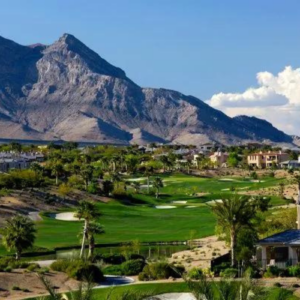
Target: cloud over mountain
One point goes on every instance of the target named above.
(277, 99)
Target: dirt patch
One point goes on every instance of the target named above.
(30, 281)
(208, 248)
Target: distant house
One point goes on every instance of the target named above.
(281, 249)
(219, 158)
(7, 164)
(266, 159)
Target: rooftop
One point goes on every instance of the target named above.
(289, 237)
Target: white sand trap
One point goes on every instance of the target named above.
(164, 207)
(179, 202)
(214, 201)
(173, 296)
(137, 179)
(257, 181)
(191, 206)
(225, 189)
(66, 216)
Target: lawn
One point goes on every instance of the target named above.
(140, 220)
(151, 289)
(123, 223)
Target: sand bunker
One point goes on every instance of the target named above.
(173, 296)
(179, 202)
(66, 216)
(214, 201)
(164, 206)
(137, 179)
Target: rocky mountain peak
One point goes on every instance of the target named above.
(67, 91)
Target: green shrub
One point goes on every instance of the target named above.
(272, 272)
(294, 271)
(32, 267)
(159, 270)
(78, 269)
(60, 265)
(81, 271)
(115, 259)
(277, 284)
(43, 270)
(113, 270)
(16, 288)
(195, 273)
(229, 273)
(132, 267)
(25, 290)
(8, 269)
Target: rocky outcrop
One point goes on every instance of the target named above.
(67, 91)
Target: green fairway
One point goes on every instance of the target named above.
(152, 289)
(126, 223)
(138, 219)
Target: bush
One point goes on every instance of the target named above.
(113, 270)
(229, 273)
(132, 267)
(272, 272)
(115, 259)
(129, 268)
(78, 269)
(16, 288)
(277, 284)
(195, 273)
(159, 270)
(294, 271)
(60, 265)
(12, 263)
(33, 267)
(8, 269)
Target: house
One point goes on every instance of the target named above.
(219, 158)
(281, 249)
(291, 164)
(7, 164)
(266, 159)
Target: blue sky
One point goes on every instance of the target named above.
(198, 47)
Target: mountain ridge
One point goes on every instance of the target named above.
(67, 91)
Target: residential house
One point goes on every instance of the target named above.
(266, 159)
(281, 249)
(219, 158)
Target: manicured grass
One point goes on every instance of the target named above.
(126, 223)
(151, 289)
(141, 221)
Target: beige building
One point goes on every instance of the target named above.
(266, 159)
(219, 158)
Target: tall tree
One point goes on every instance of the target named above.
(157, 184)
(18, 234)
(86, 172)
(233, 214)
(92, 230)
(89, 212)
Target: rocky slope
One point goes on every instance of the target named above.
(67, 91)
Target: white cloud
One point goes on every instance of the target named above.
(276, 99)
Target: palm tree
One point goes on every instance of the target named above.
(157, 184)
(18, 234)
(86, 172)
(92, 229)
(232, 214)
(148, 172)
(89, 212)
(57, 169)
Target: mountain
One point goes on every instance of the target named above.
(67, 91)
